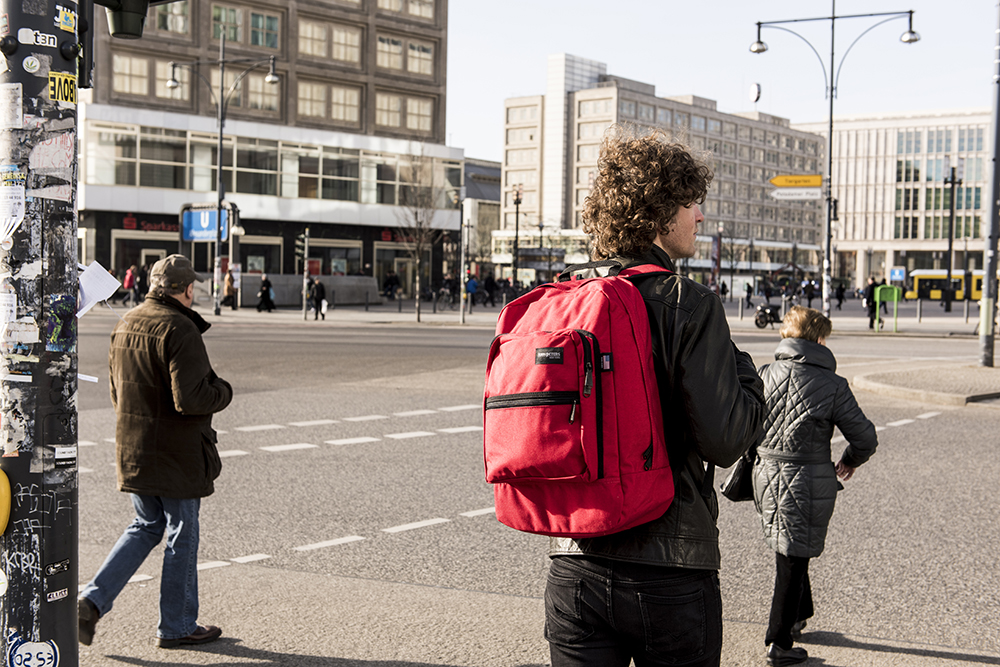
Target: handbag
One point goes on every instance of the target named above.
(738, 487)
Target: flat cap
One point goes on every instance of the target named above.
(173, 272)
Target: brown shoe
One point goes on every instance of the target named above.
(202, 635)
(87, 616)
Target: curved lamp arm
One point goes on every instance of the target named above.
(840, 65)
(822, 65)
(271, 78)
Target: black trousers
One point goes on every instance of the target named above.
(792, 601)
(607, 613)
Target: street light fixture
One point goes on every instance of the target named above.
(221, 104)
(831, 79)
(518, 193)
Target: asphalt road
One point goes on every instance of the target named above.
(351, 524)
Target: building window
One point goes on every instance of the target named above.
(391, 5)
(173, 17)
(646, 113)
(626, 108)
(522, 114)
(346, 44)
(595, 107)
(263, 95)
(714, 126)
(345, 104)
(390, 52)
(312, 38)
(263, 30)
(663, 116)
(312, 99)
(422, 8)
(698, 123)
(131, 75)
(228, 20)
(680, 119)
(419, 114)
(163, 74)
(388, 109)
(421, 59)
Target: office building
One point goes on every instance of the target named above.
(889, 173)
(552, 143)
(353, 129)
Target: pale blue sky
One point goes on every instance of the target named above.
(499, 49)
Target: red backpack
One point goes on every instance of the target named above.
(573, 432)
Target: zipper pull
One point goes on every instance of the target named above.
(572, 413)
(588, 378)
(647, 456)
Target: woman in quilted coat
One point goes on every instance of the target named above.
(794, 479)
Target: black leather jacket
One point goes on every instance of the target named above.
(713, 406)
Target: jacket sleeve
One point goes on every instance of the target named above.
(723, 395)
(856, 427)
(197, 390)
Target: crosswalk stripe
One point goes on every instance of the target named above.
(82, 470)
(486, 510)
(288, 448)
(86, 443)
(901, 422)
(314, 422)
(411, 434)
(212, 564)
(260, 427)
(413, 526)
(366, 418)
(461, 429)
(928, 415)
(226, 453)
(456, 408)
(329, 543)
(352, 441)
(250, 559)
(414, 413)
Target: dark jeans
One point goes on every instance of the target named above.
(604, 612)
(792, 601)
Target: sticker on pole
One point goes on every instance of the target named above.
(11, 200)
(3, 582)
(21, 653)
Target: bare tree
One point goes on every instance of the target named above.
(730, 254)
(421, 195)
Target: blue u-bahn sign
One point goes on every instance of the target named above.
(200, 225)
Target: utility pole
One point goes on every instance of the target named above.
(38, 334)
(954, 180)
(518, 192)
(987, 308)
(302, 250)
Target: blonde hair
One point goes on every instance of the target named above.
(805, 323)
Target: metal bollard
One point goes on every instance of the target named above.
(920, 303)
(741, 309)
(399, 302)
(966, 311)
(332, 303)
(366, 301)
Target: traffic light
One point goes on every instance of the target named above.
(126, 18)
(302, 244)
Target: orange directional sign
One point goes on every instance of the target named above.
(803, 181)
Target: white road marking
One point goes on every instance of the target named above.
(414, 413)
(222, 432)
(250, 559)
(260, 427)
(330, 543)
(839, 438)
(226, 453)
(901, 422)
(86, 443)
(82, 470)
(413, 526)
(879, 428)
(928, 415)
(488, 510)
(139, 577)
(352, 441)
(111, 440)
(366, 418)
(456, 408)
(461, 429)
(411, 434)
(315, 422)
(288, 448)
(212, 564)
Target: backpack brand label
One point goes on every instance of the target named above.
(606, 362)
(548, 355)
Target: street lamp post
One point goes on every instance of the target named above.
(753, 282)
(221, 103)
(518, 192)
(953, 181)
(831, 79)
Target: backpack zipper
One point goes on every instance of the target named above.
(590, 353)
(536, 399)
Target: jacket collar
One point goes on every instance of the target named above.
(804, 351)
(170, 302)
(655, 255)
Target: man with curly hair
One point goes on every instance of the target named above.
(651, 593)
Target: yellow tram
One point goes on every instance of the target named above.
(929, 284)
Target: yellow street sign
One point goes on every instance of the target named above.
(803, 181)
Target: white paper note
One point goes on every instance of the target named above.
(96, 285)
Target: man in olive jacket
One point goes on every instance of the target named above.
(652, 592)
(164, 392)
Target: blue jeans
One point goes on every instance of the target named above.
(605, 612)
(179, 580)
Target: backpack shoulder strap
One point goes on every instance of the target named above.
(642, 269)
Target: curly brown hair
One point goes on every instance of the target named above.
(642, 181)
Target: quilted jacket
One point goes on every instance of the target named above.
(795, 484)
(712, 410)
